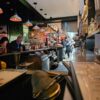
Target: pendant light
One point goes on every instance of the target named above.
(1, 11)
(15, 18)
(36, 27)
(28, 23)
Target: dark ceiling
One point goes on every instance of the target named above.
(23, 10)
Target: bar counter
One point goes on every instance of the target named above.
(88, 77)
(31, 51)
(10, 58)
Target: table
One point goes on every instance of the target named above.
(9, 75)
(16, 85)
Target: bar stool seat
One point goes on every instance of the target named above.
(44, 87)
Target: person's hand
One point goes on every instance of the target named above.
(21, 49)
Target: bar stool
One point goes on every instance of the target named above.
(44, 87)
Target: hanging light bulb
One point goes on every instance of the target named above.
(36, 27)
(28, 23)
(15, 18)
(1, 11)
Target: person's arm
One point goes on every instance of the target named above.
(22, 47)
(13, 47)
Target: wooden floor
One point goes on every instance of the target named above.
(82, 56)
(76, 56)
(86, 60)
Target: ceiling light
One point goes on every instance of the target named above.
(15, 18)
(45, 14)
(41, 9)
(28, 23)
(35, 3)
(36, 27)
(1, 11)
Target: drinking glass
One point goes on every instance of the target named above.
(17, 59)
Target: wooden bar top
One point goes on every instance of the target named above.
(8, 75)
(30, 51)
(88, 76)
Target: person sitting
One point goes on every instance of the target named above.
(16, 45)
(4, 42)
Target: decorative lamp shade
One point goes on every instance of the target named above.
(28, 23)
(15, 18)
(36, 27)
(1, 11)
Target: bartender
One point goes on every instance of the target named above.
(17, 46)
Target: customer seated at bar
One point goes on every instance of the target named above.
(16, 45)
(4, 45)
